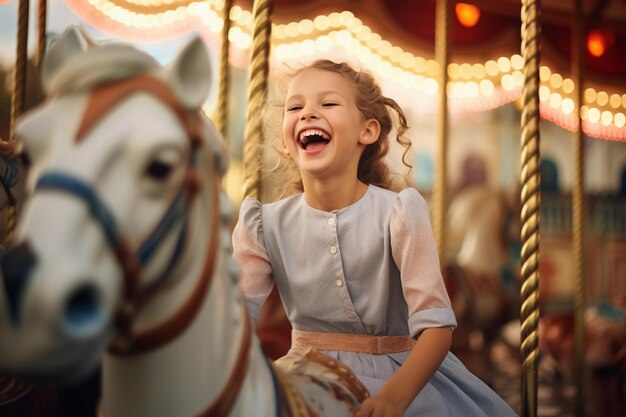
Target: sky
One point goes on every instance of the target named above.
(58, 19)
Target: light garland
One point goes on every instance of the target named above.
(472, 87)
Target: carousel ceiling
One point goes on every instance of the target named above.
(396, 40)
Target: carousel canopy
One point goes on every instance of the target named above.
(395, 38)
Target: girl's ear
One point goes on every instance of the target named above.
(370, 132)
(285, 150)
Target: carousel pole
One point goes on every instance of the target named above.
(42, 13)
(530, 180)
(257, 90)
(221, 117)
(10, 387)
(7, 148)
(578, 210)
(442, 41)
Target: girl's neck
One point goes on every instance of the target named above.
(333, 195)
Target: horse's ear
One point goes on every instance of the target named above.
(71, 42)
(190, 75)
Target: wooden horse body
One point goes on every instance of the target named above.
(123, 252)
(480, 297)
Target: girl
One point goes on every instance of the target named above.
(354, 262)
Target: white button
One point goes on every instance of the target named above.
(333, 249)
(331, 221)
(339, 282)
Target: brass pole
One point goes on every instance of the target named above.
(257, 90)
(17, 104)
(42, 13)
(221, 117)
(21, 57)
(578, 210)
(530, 180)
(442, 41)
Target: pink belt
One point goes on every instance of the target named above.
(351, 342)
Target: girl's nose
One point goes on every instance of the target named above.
(308, 114)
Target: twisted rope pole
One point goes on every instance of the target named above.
(257, 89)
(42, 13)
(442, 41)
(530, 180)
(221, 118)
(578, 210)
(17, 105)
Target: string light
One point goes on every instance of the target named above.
(473, 86)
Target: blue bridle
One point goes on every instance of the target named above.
(176, 214)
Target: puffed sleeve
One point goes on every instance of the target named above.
(256, 279)
(414, 251)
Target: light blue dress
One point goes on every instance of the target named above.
(370, 268)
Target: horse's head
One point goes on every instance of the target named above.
(118, 153)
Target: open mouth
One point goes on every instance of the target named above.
(313, 137)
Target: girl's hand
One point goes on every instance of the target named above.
(379, 406)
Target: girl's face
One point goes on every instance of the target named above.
(323, 130)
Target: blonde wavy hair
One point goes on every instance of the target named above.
(372, 104)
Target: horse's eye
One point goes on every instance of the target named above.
(159, 170)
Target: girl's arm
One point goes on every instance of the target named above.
(255, 278)
(399, 391)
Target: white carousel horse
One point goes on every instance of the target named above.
(477, 221)
(123, 245)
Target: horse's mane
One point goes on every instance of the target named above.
(98, 64)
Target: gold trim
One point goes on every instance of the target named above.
(345, 374)
(297, 406)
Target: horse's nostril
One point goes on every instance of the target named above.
(16, 265)
(83, 312)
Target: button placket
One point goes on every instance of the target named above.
(337, 272)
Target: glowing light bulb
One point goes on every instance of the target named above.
(555, 100)
(517, 62)
(544, 73)
(544, 93)
(567, 106)
(491, 67)
(598, 42)
(467, 14)
(590, 95)
(606, 118)
(615, 101)
(593, 115)
(306, 26)
(486, 87)
(568, 86)
(321, 22)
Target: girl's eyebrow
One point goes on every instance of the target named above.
(320, 94)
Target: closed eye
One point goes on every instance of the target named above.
(294, 108)
(330, 104)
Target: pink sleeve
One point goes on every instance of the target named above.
(414, 251)
(256, 281)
